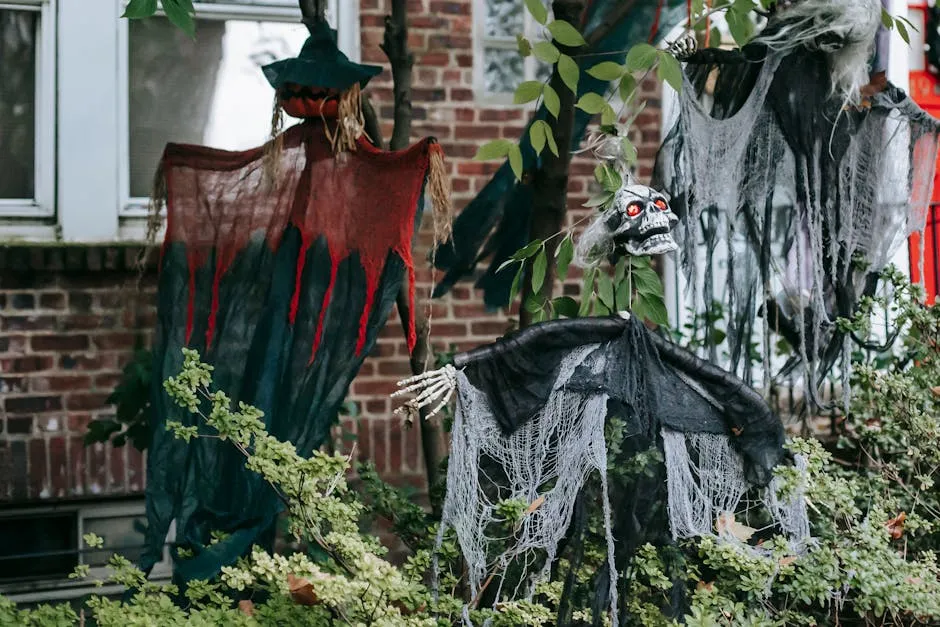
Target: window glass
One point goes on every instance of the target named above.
(207, 91)
(18, 39)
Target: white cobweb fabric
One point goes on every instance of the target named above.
(706, 485)
(544, 463)
(820, 225)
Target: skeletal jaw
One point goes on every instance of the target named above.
(655, 245)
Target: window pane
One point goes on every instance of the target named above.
(503, 70)
(504, 18)
(121, 535)
(206, 91)
(18, 30)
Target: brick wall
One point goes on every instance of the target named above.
(69, 317)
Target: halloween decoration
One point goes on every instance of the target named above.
(638, 222)
(533, 411)
(799, 182)
(282, 286)
(530, 425)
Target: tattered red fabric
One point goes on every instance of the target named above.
(282, 289)
(362, 202)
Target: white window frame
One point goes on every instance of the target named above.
(41, 205)
(56, 588)
(482, 42)
(82, 146)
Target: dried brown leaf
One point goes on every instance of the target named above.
(534, 505)
(247, 607)
(301, 591)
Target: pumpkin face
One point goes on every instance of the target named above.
(308, 102)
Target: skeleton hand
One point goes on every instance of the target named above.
(684, 47)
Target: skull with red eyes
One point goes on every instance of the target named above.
(640, 222)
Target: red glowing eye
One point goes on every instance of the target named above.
(661, 204)
(634, 209)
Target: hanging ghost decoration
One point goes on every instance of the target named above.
(533, 412)
(280, 265)
(799, 170)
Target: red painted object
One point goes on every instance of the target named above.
(925, 91)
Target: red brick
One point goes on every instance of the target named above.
(19, 425)
(88, 322)
(395, 447)
(52, 300)
(97, 455)
(86, 402)
(397, 368)
(136, 479)
(80, 362)
(439, 59)
(32, 404)
(28, 323)
(59, 383)
(59, 343)
(115, 341)
(75, 477)
(365, 439)
(494, 328)
(500, 115)
(413, 458)
(450, 8)
(379, 430)
(14, 344)
(38, 470)
(58, 467)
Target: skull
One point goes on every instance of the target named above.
(640, 222)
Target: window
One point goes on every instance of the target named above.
(26, 118)
(40, 546)
(205, 91)
(498, 66)
(88, 100)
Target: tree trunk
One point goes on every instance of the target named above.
(550, 194)
(395, 46)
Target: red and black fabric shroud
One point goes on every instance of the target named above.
(283, 290)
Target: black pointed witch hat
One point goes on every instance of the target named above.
(320, 64)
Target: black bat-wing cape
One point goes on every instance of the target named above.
(516, 399)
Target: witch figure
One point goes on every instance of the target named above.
(279, 266)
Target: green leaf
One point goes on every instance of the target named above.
(605, 290)
(527, 92)
(569, 72)
(538, 271)
(627, 87)
(528, 250)
(622, 297)
(537, 10)
(551, 139)
(515, 161)
(629, 150)
(546, 51)
(670, 71)
(533, 304)
(552, 101)
(516, 282)
(100, 431)
(496, 149)
(657, 313)
(715, 37)
(587, 289)
(886, 19)
(641, 57)
(607, 71)
(740, 25)
(565, 255)
(524, 46)
(599, 200)
(506, 264)
(600, 309)
(608, 178)
(180, 13)
(566, 34)
(565, 306)
(902, 31)
(537, 136)
(608, 116)
(647, 282)
(140, 8)
(698, 7)
(591, 103)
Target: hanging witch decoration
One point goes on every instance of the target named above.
(534, 410)
(280, 265)
(803, 175)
